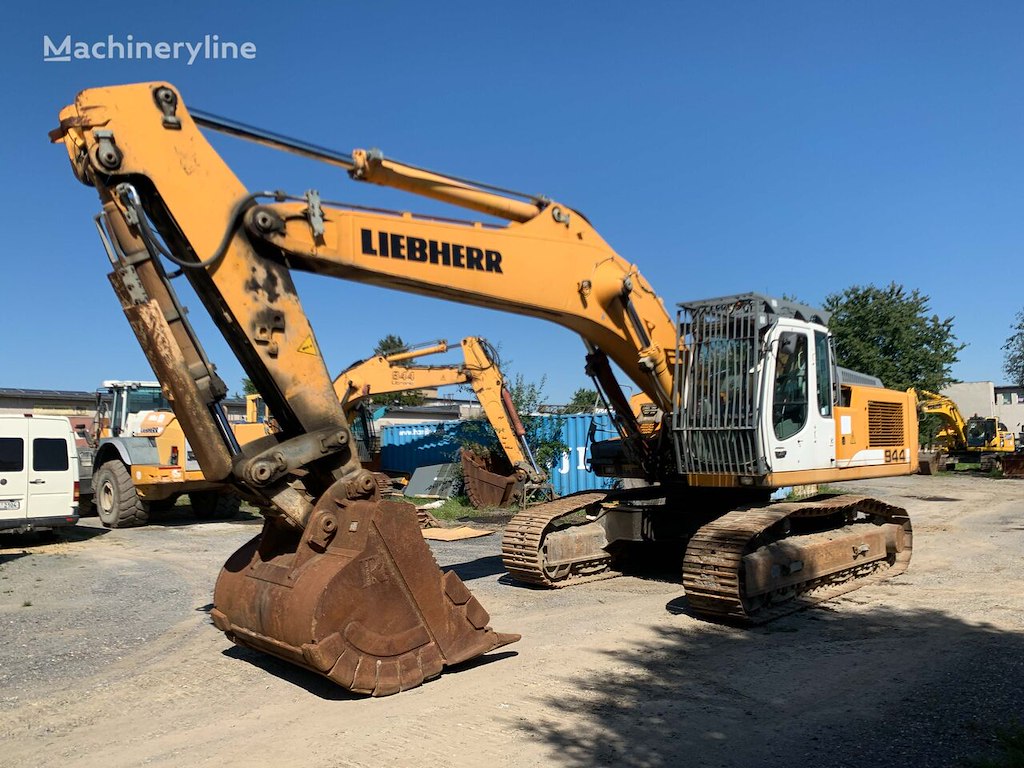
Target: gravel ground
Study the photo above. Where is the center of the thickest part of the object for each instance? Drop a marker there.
(110, 659)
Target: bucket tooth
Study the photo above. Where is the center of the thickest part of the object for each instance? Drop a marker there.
(357, 597)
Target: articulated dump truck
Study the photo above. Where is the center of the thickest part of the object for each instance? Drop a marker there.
(742, 396)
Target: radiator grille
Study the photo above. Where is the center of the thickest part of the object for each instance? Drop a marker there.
(885, 424)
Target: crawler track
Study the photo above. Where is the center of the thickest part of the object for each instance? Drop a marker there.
(713, 569)
(522, 546)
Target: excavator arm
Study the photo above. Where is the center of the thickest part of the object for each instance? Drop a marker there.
(954, 429)
(546, 262)
(339, 581)
(384, 374)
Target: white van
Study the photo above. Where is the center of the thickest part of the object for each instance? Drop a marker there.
(38, 473)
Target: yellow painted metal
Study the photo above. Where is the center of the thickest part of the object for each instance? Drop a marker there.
(382, 375)
(955, 432)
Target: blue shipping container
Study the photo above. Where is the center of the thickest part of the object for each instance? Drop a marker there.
(408, 446)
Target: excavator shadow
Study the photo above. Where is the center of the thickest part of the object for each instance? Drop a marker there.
(323, 688)
(480, 568)
(317, 685)
(182, 516)
(679, 606)
(855, 686)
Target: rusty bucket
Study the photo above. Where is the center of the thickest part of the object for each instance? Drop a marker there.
(356, 597)
(486, 486)
(1012, 465)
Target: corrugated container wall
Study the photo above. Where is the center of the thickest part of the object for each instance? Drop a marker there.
(406, 447)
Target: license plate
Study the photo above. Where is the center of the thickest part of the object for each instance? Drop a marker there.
(10, 504)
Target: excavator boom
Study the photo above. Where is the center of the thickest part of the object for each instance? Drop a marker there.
(339, 581)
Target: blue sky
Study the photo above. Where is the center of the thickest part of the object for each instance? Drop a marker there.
(797, 148)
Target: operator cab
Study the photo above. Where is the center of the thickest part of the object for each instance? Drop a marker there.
(759, 384)
(131, 402)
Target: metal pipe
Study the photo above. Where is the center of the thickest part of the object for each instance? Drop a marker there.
(271, 139)
(412, 354)
(390, 173)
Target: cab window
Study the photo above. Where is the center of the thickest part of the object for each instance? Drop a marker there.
(12, 454)
(824, 370)
(49, 454)
(789, 411)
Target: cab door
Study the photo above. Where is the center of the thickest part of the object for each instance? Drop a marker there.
(52, 468)
(13, 477)
(797, 422)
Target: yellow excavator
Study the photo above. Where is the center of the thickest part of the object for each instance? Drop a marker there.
(977, 440)
(744, 392)
(489, 483)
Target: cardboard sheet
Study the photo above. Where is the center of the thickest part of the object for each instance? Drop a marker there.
(454, 534)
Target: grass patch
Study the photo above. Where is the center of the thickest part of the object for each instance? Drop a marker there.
(458, 509)
(455, 508)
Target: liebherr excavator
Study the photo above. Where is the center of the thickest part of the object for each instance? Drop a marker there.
(743, 393)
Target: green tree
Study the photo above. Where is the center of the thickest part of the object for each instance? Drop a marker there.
(892, 334)
(1013, 352)
(542, 433)
(583, 400)
(389, 345)
(248, 387)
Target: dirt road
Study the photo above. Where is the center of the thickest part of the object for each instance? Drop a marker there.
(109, 659)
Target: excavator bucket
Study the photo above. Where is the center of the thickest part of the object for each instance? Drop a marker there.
(487, 487)
(1012, 465)
(357, 597)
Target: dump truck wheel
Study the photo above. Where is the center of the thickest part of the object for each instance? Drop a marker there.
(117, 502)
(164, 505)
(214, 505)
(86, 507)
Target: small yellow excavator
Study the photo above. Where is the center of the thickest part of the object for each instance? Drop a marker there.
(489, 482)
(977, 440)
(743, 396)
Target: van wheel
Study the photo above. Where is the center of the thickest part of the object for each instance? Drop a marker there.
(214, 505)
(117, 502)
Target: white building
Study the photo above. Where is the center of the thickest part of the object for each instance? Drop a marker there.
(983, 398)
